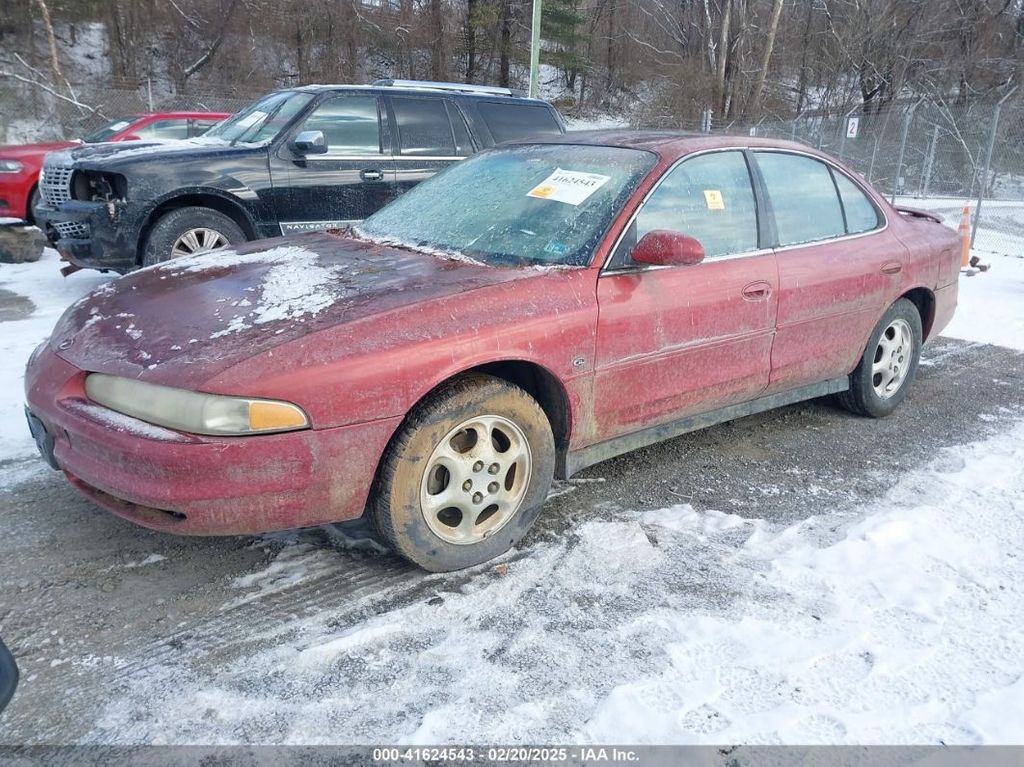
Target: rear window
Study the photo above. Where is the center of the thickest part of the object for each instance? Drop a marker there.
(512, 122)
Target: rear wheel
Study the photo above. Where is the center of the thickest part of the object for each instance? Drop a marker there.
(466, 475)
(188, 232)
(887, 369)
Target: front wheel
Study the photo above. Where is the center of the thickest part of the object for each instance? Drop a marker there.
(465, 477)
(188, 232)
(885, 372)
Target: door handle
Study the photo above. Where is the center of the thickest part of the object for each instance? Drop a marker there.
(371, 175)
(757, 291)
(892, 267)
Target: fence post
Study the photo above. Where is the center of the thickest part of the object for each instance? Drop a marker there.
(149, 92)
(927, 174)
(988, 162)
(842, 131)
(792, 132)
(903, 146)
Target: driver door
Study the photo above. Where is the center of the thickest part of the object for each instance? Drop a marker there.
(673, 341)
(353, 179)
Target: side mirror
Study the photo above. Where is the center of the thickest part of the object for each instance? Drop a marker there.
(664, 248)
(8, 676)
(310, 142)
(131, 137)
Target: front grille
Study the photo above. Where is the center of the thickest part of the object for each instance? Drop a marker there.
(55, 183)
(72, 231)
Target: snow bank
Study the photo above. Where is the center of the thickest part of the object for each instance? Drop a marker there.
(50, 293)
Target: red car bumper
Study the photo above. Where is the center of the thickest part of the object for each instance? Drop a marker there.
(193, 485)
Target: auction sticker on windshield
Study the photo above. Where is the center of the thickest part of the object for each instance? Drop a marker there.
(569, 186)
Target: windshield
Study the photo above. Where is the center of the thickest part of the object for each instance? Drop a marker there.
(261, 121)
(109, 130)
(529, 205)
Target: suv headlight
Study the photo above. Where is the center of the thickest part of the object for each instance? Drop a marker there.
(191, 411)
(11, 166)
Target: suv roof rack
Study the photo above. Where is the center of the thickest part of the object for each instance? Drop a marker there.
(438, 86)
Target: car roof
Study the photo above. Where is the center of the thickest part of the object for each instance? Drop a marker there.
(665, 143)
(418, 90)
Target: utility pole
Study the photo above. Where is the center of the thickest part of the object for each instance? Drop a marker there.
(535, 51)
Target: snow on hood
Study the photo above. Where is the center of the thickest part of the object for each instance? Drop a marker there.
(206, 313)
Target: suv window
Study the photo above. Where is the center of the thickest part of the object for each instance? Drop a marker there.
(710, 198)
(350, 124)
(423, 126)
(164, 129)
(803, 197)
(508, 122)
(861, 214)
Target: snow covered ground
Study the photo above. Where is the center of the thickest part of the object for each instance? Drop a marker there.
(899, 624)
(896, 621)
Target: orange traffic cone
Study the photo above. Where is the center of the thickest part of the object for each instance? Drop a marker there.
(965, 237)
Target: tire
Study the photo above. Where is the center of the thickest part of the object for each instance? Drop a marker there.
(173, 228)
(33, 201)
(886, 371)
(437, 467)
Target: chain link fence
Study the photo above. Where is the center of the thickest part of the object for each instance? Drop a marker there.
(932, 155)
(30, 113)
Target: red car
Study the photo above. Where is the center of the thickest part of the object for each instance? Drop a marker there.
(20, 164)
(529, 312)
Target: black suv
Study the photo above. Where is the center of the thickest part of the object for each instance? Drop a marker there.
(315, 157)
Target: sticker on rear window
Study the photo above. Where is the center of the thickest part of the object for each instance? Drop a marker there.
(714, 199)
(119, 126)
(569, 186)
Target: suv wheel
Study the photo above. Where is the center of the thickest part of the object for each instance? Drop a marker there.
(189, 231)
(466, 475)
(881, 379)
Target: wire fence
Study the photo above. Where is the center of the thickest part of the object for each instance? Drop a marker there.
(932, 155)
(29, 113)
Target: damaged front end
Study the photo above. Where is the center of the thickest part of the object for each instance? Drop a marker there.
(87, 216)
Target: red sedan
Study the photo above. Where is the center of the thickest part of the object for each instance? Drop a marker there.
(20, 164)
(529, 312)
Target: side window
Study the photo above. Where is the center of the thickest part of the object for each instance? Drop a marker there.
(710, 198)
(164, 129)
(509, 122)
(423, 126)
(350, 124)
(861, 215)
(803, 197)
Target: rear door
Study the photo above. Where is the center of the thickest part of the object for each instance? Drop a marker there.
(838, 267)
(430, 134)
(674, 341)
(354, 178)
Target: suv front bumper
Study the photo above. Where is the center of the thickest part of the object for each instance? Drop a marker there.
(94, 235)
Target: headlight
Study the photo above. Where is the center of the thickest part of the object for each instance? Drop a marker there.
(11, 166)
(191, 411)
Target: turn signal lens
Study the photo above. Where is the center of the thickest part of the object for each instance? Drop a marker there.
(275, 416)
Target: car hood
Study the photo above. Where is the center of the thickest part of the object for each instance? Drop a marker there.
(182, 322)
(113, 153)
(14, 151)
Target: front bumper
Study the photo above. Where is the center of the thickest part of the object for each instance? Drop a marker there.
(94, 235)
(191, 485)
